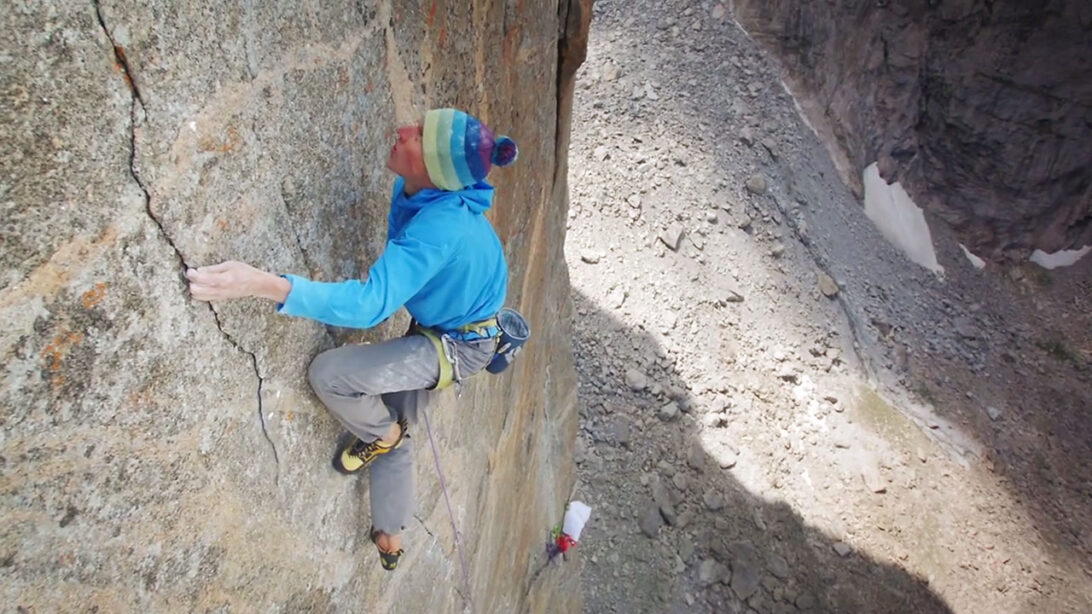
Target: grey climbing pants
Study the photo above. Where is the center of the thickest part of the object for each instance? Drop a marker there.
(367, 387)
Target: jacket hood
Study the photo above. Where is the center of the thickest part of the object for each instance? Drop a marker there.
(478, 197)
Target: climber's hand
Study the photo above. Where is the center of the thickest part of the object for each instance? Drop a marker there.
(232, 279)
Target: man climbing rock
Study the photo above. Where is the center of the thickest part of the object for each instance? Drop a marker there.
(444, 262)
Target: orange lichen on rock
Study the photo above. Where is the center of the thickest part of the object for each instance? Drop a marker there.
(51, 277)
(229, 143)
(93, 296)
(54, 353)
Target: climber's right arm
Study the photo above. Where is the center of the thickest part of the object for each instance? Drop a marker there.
(232, 279)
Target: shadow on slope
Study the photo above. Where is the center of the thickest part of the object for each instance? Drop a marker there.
(714, 540)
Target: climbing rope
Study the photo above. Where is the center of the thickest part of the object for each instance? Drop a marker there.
(451, 514)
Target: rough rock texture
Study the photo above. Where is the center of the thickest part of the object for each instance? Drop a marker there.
(161, 454)
(983, 110)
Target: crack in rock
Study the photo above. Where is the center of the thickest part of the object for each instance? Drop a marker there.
(312, 268)
(286, 198)
(424, 526)
(137, 108)
(468, 604)
(261, 384)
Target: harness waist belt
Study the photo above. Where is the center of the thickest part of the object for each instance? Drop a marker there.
(483, 329)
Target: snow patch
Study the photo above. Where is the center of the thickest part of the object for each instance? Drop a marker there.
(899, 220)
(975, 260)
(1066, 257)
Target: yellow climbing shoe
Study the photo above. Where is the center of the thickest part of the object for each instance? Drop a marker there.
(359, 454)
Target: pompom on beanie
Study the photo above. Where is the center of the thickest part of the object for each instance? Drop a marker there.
(460, 150)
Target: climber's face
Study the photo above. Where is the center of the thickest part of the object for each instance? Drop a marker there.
(407, 157)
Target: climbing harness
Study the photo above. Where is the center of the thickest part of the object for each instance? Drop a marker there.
(509, 327)
(445, 353)
(454, 528)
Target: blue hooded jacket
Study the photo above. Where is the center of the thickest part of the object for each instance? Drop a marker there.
(443, 261)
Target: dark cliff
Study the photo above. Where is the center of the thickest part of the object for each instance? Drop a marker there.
(983, 110)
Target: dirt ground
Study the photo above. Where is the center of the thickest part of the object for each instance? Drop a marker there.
(780, 412)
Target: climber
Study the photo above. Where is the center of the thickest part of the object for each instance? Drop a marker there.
(444, 262)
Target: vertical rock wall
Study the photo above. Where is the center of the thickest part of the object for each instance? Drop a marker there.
(159, 454)
(983, 110)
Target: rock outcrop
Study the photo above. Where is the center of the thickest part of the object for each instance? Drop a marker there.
(983, 110)
(159, 454)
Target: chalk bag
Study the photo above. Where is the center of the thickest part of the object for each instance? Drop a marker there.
(514, 333)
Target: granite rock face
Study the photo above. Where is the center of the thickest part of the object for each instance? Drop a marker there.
(159, 454)
(983, 110)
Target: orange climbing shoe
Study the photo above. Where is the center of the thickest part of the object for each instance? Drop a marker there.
(360, 454)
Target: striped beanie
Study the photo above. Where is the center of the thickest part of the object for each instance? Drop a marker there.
(460, 150)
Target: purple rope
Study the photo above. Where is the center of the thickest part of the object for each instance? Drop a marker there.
(447, 500)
